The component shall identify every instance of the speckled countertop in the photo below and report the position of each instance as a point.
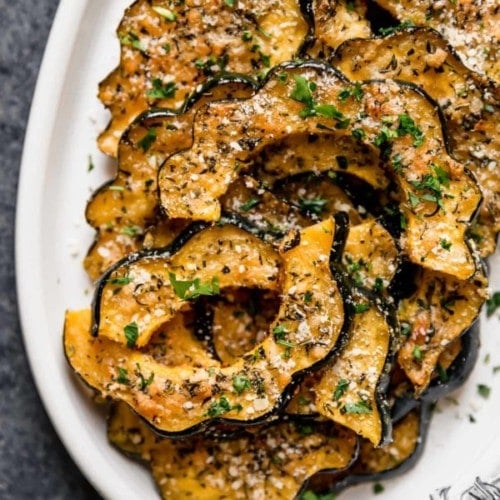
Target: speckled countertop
(33, 462)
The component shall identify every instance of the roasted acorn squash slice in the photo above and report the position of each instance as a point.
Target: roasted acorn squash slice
(321, 153)
(336, 21)
(177, 399)
(441, 309)
(168, 49)
(148, 289)
(351, 390)
(123, 209)
(272, 462)
(438, 196)
(470, 105)
(470, 26)
(378, 464)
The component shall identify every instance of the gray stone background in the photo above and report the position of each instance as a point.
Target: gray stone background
(33, 463)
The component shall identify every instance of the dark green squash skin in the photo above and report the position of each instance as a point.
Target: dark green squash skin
(341, 224)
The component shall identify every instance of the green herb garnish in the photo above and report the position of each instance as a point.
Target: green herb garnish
(147, 141)
(312, 205)
(192, 289)
(359, 408)
(131, 334)
(417, 353)
(121, 281)
(241, 383)
(166, 13)
(248, 205)
(122, 376)
(394, 29)
(131, 40)
(144, 382)
(303, 92)
(484, 390)
(220, 407)
(492, 304)
(361, 308)
(339, 391)
(131, 230)
(161, 91)
(445, 244)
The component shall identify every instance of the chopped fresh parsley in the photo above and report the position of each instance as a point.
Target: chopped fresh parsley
(445, 244)
(192, 289)
(131, 40)
(122, 376)
(339, 391)
(308, 296)
(358, 133)
(397, 164)
(166, 13)
(280, 337)
(492, 304)
(394, 29)
(377, 488)
(265, 59)
(361, 308)
(310, 495)
(229, 3)
(417, 353)
(212, 64)
(385, 137)
(241, 383)
(249, 204)
(312, 205)
(407, 126)
(356, 91)
(359, 408)
(431, 184)
(90, 165)
(220, 407)
(405, 329)
(131, 230)
(147, 141)
(443, 375)
(484, 390)
(303, 92)
(143, 381)
(279, 332)
(161, 91)
(120, 281)
(131, 333)
(378, 285)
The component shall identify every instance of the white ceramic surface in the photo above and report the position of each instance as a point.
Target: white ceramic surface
(52, 238)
